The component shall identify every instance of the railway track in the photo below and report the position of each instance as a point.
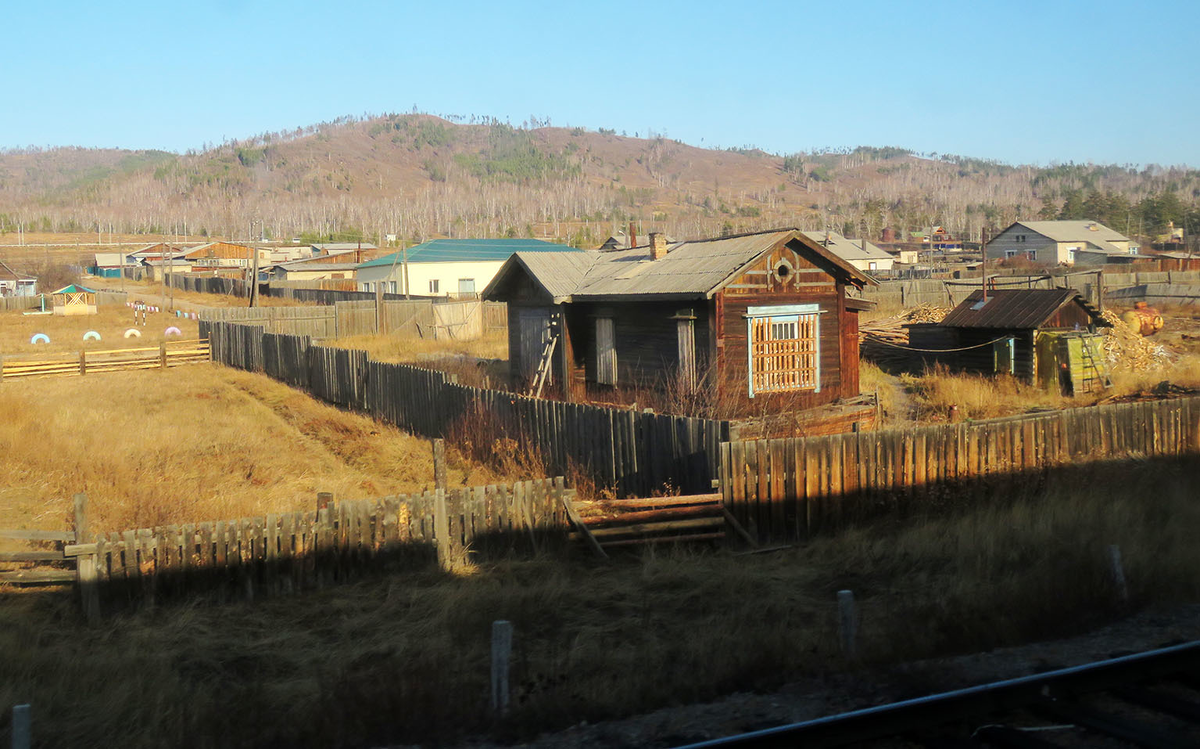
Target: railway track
(1149, 699)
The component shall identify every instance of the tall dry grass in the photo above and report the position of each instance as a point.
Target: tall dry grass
(193, 444)
(405, 659)
(977, 396)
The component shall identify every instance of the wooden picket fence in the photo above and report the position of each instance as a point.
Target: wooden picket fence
(632, 452)
(166, 354)
(333, 543)
(789, 488)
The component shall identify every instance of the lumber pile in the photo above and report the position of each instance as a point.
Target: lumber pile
(884, 341)
(636, 522)
(1127, 350)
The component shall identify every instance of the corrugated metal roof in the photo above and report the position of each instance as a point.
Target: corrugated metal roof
(848, 249)
(467, 250)
(690, 269)
(1015, 309)
(1074, 231)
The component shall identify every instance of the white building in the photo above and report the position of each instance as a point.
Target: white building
(1061, 243)
(859, 253)
(446, 267)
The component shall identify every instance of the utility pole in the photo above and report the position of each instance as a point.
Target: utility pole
(254, 278)
(983, 240)
(407, 290)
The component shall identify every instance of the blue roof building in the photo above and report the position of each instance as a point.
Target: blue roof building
(446, 267)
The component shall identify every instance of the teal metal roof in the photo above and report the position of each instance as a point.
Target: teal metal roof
(73, 289)
(468, 250)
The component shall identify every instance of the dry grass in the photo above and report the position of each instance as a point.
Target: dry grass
(977, 396)
(193, 444)
(66, 333)
(479, 362)
(404, 659)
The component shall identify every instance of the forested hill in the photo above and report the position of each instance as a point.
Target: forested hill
(420, 176)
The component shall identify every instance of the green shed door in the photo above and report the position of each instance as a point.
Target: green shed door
(1005, 351)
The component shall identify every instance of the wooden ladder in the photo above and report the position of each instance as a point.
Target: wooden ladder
(1089, 360)
(543, 371)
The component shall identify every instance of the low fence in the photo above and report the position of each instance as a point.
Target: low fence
(13, 303)
(1160, 294)
(291, 552)
(417, 317)
(210, 284)
(166, 354)
(318, 322)
(629, 451)
(788, 488)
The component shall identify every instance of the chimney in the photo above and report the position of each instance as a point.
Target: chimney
(658, 246)
(632, 235)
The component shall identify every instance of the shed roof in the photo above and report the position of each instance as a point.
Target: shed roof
(74, 289)
(691, 269)
(467, 251)
(1016, 309)
(344, 246)
(14, 274)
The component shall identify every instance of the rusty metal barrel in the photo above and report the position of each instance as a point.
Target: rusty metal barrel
(1143, 318)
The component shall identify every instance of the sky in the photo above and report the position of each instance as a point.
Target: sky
(1020, 82)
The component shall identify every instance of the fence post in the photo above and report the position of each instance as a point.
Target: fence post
(162, 354)
(85, 564)
(22, 727)
(1118, 572)
(323, 500)
(439, 464)
(441, 528)
(82, 363)
(501, 652)
(848, 623)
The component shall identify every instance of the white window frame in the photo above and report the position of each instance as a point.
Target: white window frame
(434, 286)
(784, 314)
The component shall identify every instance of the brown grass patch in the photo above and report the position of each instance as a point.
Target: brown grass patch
(193, 444)
(479, 362)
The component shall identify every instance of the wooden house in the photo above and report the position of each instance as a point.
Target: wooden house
(13, 283)
(74, 300)
(1043, 335)
(760, 321)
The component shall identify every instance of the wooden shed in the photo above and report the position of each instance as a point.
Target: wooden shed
(74, 300)
(1043, 335)
(760, 321)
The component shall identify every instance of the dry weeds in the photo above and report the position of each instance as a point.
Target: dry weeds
(404, 659)
(193, 444)
(479, 362)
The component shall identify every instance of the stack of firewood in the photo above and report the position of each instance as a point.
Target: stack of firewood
(885, 341)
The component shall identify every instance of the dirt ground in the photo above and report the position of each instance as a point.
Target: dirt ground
(854, 690)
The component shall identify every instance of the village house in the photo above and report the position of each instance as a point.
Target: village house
(1062, 243)
(336, 266)
(761, 321)
(858, 252)
(226, 258)
(446, 267)
(16, 284)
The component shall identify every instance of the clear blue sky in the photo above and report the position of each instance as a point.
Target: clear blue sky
(1021, 81)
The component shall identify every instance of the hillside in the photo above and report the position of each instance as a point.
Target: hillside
(419, 176)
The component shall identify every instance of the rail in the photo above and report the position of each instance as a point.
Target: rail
(1053, 693)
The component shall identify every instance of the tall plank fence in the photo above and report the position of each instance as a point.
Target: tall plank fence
(632, 452)
(788, 488)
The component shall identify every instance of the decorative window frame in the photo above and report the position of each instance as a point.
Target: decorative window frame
(785, 313)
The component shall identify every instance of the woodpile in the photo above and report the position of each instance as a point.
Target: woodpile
(885, 341)
(1127, 350)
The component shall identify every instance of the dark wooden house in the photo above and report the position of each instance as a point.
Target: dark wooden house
(760, 321)
(1033, 334)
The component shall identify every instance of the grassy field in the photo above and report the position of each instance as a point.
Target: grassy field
(193, 444)
(66, 333)
(404, 658)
